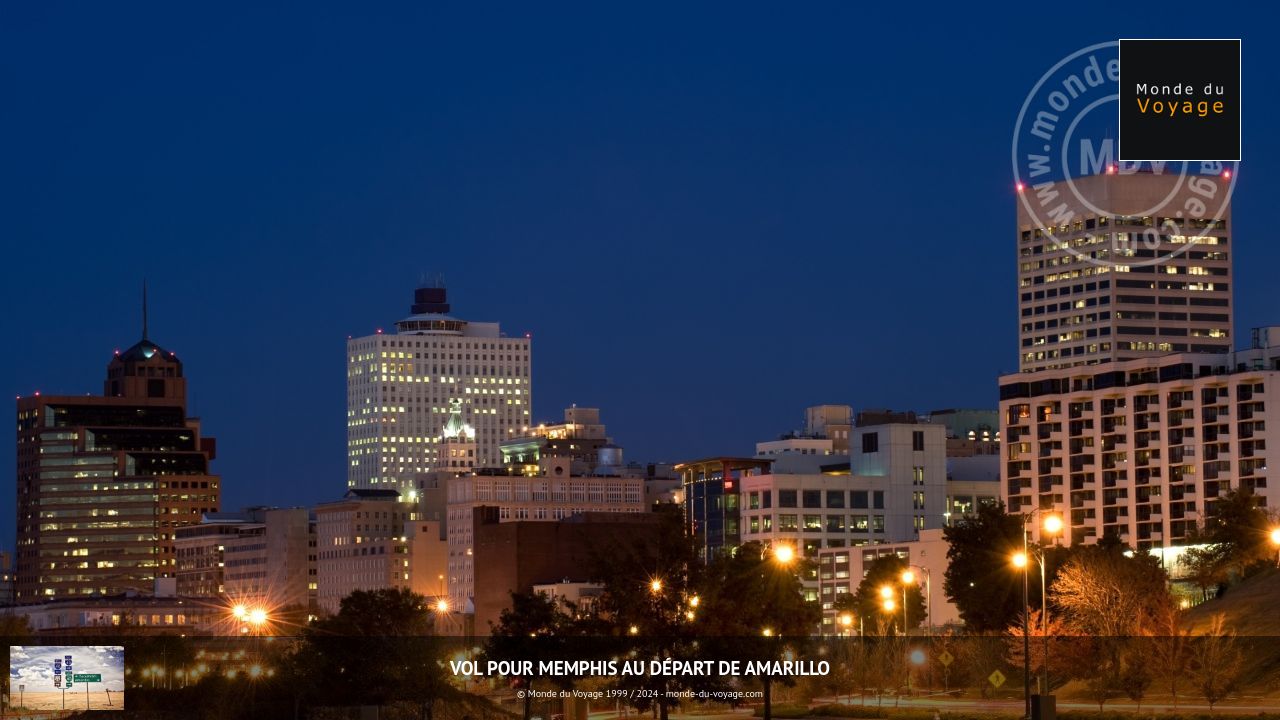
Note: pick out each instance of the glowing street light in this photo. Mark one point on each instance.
(655, 586)
(442, 606)
(767, 632)
(258, 616)
(1052, 524)
(1019, 560)
(240, 612)
(1275, 540)
(784, 554)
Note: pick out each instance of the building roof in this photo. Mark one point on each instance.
(727, 460)
(372, 493)
(144, 350)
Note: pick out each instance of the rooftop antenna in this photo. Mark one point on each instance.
(144, 309)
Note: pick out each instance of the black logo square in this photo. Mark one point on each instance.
(1179, 100)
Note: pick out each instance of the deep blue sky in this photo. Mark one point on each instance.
(709, 217)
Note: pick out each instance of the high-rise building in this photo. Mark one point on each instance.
(1140, 449)
(1090, 289)
(402, 389)
(104, 482)
(1132, 414)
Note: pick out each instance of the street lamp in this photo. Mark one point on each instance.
(1052, 525)
(1275, 540)
(655, 586)
(1019, 561)
(909, 577)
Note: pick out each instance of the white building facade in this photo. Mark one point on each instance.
(1141, 449)
(403, 387)
(895, 487)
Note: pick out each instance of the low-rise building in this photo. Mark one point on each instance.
(260, 556)
(126, 614)
(522, 556)
(841, 570)
(372, 540)
(555, 493)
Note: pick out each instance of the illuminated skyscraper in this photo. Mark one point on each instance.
(1131, 283)
(103, 482)
(403, 388)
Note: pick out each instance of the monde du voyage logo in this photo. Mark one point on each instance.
(1105, 110)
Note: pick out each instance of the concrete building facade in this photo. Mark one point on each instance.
(372, 540)
(1090, 289)
(1140, 449)
(841, 570)
(554, 494)
(403, 387)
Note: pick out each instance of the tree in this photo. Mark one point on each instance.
(1217, 662)
(752, 595)
(533, 627)
(987, 595)
(651, 597)
(1237, 534)
(377, 649)
(1207, 567)
(866, 601)
(1102, 675)
(1061, 652)
(1170, 647)
(1135, 675)
(1105, 592)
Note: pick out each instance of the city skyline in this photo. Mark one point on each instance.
(739, 227)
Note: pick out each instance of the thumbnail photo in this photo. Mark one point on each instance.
(66, 677)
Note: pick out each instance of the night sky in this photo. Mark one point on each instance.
(707, 217)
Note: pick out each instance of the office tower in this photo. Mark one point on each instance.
(1133, 414)
(403, 386)
(1090, 289)
(104, 482)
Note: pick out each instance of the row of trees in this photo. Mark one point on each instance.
(1234, 542)
(657, 601)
